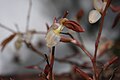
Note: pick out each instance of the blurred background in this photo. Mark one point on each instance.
(43, 11)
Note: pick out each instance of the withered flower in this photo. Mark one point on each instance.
(53, 36)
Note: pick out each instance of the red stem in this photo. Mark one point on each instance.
(82, 73)
(98, 39)
(51, 77)
(111, 61)
(83, 48)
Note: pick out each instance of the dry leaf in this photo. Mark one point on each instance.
(73, 25)
(7, 40)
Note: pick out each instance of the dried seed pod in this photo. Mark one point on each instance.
(94, 16)
(98, 4)
(18, 42)
(104, 5)
(52, 38)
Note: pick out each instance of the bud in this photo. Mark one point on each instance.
(94, 16)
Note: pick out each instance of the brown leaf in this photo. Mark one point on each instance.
(7, 40)
(117, 18)
(73, 25)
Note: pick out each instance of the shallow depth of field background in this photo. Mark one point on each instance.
(43, 11)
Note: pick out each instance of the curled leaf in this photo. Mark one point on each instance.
(117, 18)
(7, 40)
(73, 26)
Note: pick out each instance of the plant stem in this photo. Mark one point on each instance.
(98, 39)
(51, 77)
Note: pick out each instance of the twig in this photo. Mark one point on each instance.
(98, 39)
(71, 63)
(113, 73)
(3, 26)
(74, 41)
(47, 26)
(111, 61)
(65, 14)
(85, 75)
(28, 16)
(51, 76)
(83, 48)
(17, 28)
(67, 34)
(35, 50)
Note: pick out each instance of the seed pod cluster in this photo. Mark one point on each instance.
(95, 15)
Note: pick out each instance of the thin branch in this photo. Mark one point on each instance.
(47, 26)
(51, 76)
(35, 50)
(28, 16)
(67, 34)
(82, 73)
(17, 27)
(6, 28)
(101, 27)
(113, 73)
(74, 41)
(98, 39)
(47, 59)
(71, 63)
(65, 14)
(80, 38)
(83, 48)
(110, 62)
